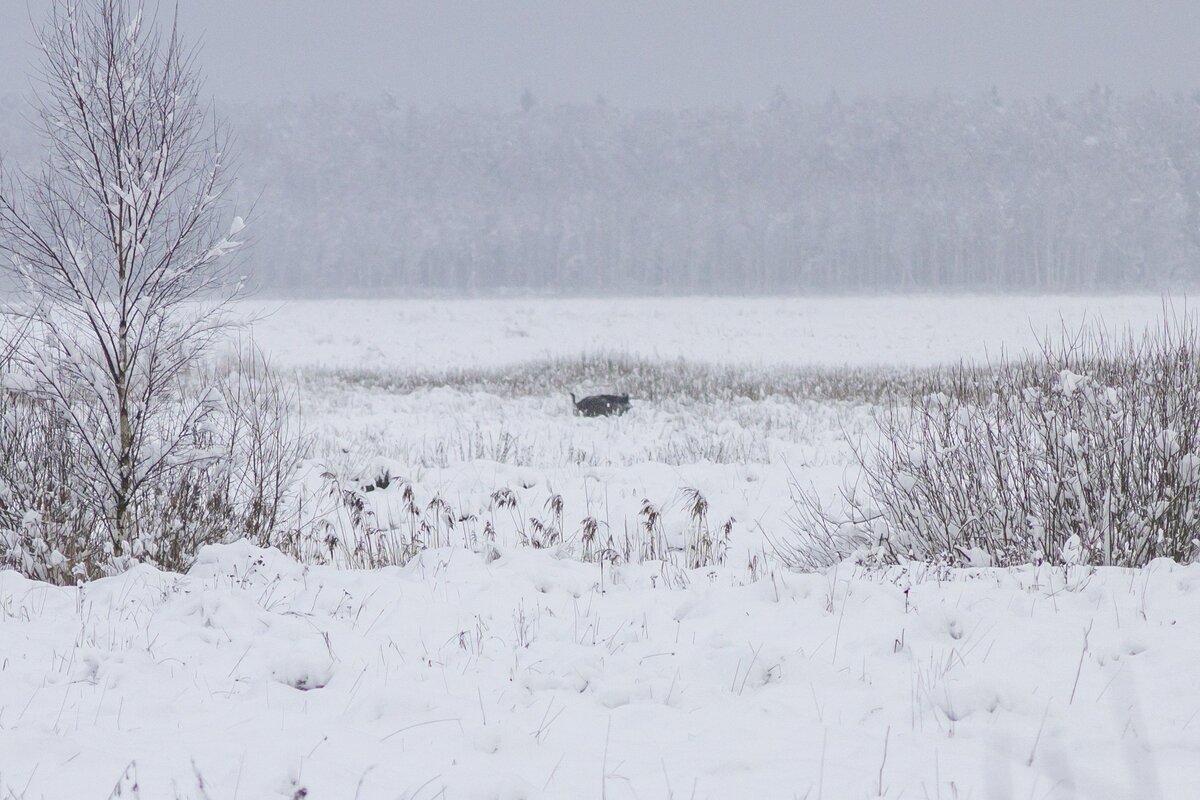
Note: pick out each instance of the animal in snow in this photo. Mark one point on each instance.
(601, 405)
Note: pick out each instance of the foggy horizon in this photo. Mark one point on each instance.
(689, 147)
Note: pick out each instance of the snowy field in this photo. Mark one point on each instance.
(489, 669)
(525, 677)
(440, 334)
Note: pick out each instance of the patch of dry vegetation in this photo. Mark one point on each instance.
(1088, 455)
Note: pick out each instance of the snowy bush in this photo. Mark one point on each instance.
(236, 481)
(45, 525)
(1089, 454)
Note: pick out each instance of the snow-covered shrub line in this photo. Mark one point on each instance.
(1089, 454)
(235, 481)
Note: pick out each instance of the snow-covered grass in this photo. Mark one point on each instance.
(463, 445)
(522, 675)
(436, 427)
(484, 668)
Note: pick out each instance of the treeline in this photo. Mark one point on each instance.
(982, 192)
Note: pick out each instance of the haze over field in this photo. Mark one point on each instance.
(685, 148)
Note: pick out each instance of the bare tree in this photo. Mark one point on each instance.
(118, 249)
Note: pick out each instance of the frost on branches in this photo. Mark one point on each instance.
(1087, 455)
(119, 248)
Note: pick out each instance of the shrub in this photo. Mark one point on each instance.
(45, 525)
(243, 455)
(1089, 453)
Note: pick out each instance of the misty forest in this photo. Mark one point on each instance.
(379, 442)
(1094, 192)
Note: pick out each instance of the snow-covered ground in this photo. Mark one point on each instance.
(519, 675)
(500, 671)
(440, 334)
(464, 446)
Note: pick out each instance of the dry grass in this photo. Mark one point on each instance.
(384, 523)
(653, 380)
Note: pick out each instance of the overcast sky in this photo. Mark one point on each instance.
(666, 53)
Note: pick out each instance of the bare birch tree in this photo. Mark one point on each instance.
(119, 249)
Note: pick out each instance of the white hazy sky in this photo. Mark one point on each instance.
(668, 52)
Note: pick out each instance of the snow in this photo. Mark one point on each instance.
(483, 670)
(829, 331)
(521, 674)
